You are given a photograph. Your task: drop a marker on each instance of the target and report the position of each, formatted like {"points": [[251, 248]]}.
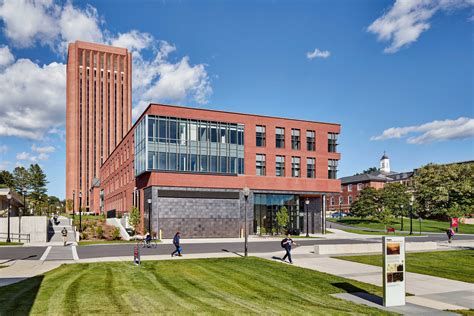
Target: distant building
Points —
{"points": [[15, 202]]}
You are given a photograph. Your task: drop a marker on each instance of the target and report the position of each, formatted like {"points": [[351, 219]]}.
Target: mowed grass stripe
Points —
{"points": [[183, 287]]}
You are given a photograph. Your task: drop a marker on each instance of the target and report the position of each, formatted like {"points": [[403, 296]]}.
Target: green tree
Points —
{"points": [[445, 190], [6, 179], [396, 199], [367, 203], [37, 184], [134, 218], [282, 218], [69, 205], [21, 180], [369, 170]]}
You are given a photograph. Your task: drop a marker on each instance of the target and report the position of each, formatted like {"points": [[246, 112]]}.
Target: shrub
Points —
{"points": [[116, 233], [99, 232], [263, 231], [84, 235]]}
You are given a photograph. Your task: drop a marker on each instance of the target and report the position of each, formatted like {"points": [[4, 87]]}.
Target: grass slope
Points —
{"points": [[4, 243], [205, 286], [455, 265], [427, 225]]}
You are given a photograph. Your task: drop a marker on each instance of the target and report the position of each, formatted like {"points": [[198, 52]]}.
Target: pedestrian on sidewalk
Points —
{"points": [[287, 243], [64, 233], [450, 233], [177, 244]]}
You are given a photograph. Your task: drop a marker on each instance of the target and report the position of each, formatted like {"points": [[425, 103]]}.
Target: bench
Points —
{"points": [[390, 230]]}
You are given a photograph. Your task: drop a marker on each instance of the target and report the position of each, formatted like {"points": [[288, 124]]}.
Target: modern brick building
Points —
{"points": [[185, 169], [98, 114]]}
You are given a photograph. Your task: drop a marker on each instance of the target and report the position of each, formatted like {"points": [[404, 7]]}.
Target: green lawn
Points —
{"points": [[427, 225], [184, 287], [371, 232], [456, 265], [3, 243]]}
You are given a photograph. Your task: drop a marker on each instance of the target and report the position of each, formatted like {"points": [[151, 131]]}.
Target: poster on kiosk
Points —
{"points": [[393, 271]]}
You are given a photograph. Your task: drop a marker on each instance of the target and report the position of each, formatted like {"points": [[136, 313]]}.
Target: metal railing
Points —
{"points": [[15, 237]]}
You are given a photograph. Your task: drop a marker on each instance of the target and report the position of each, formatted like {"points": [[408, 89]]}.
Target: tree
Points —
{"points": [[38, 181], [282, 217], [134, 217], [367, 203], [445, 190], [370, 170], [396, 199], [69, 205], [6, 179]]}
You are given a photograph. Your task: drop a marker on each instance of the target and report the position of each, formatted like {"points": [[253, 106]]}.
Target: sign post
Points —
{"points": [[136, 255], [393, 271]]}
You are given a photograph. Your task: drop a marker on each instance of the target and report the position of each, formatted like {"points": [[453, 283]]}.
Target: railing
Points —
{"points": [[15, 237]]}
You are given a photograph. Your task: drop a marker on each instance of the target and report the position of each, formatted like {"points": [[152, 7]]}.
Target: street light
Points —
{"points": [[306, 203], [149, 215], [9, 197], [401, 216], [73, 199], [412, 199], [80, 211], [246, 192]]}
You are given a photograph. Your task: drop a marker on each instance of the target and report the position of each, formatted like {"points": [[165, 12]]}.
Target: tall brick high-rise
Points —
{"points": [[98, 114]]}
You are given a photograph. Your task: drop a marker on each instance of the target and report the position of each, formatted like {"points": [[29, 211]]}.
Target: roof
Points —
{"points": [[384, 156], [377, 176]]}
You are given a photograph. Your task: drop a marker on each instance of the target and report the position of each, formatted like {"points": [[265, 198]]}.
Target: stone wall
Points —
{"points": [[36, 226]]}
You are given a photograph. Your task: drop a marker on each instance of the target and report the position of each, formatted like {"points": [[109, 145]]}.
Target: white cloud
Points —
{"points": [[43, 156], [43, 150], [25, 156], [4, 164], [460, 128], [3, 149], [134, 40], [6, 57], [318, 54], [407, 19]]}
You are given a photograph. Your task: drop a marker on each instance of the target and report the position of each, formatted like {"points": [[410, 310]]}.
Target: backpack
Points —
{"points": [[282, 243]]}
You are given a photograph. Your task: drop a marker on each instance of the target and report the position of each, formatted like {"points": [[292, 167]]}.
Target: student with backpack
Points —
{"points": [[176, 243], [450, 233], [287, 243]]}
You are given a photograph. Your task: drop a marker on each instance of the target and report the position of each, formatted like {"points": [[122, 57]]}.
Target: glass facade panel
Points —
{"points": [[170, 144], [266, 207]]}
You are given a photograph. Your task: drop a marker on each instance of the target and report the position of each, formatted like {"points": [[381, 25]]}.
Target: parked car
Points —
{"points": [[338, 215]]}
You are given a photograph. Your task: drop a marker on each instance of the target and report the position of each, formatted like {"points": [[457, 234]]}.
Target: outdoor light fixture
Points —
{"points": [[9, 197], [412, 199], [73, 205], [246, 192], [306, 204], [80, 211], [401, 221], [149, 215]]}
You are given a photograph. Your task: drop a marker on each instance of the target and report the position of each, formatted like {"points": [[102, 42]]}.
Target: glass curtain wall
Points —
{"points": [[175, 144], [266, 207]]}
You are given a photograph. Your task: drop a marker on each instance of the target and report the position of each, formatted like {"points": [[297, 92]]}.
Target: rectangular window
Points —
{"points": [[295, 166], [280, 137], [332, 142], [332, 200], [203, 164], [349, 200], [311, 167], [340, 200], [260, 165], [172, 163], [311, 140], [213, 164], [280, 166], [332, 169], [260, 136], [223, 165], [359, 186], [295, 139], [349, 188]]}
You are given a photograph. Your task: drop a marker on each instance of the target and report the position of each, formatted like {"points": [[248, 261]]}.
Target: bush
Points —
{"points": [[116, 233], [83, 235], [99, 232], [263, 231]]}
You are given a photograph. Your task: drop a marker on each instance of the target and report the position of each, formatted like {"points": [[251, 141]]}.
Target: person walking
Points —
{"points": [[450, 233], [287, 243], [64, 233], [177, 244]]}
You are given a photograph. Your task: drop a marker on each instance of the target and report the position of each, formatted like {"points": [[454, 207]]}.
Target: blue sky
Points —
{"points": [[397, 75]]}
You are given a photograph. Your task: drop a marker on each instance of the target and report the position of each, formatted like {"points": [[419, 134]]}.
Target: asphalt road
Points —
{"points": [[21, 253]]}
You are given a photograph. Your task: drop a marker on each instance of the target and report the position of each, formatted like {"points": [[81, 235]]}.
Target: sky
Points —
{"points": [[397, 75]]}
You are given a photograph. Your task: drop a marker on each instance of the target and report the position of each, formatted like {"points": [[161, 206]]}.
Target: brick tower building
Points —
{"points": [[98, 114]]}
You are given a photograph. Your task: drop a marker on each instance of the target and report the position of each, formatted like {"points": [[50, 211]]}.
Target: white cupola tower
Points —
{"points": [[384, 163]]}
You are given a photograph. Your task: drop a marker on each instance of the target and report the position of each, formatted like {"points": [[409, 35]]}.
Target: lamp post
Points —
{"points": [[306, 203], [73, 199], [80, 211], [149, 216], [340, 206], [412, 198], [401, 216], [246, 192], [9, 197]]}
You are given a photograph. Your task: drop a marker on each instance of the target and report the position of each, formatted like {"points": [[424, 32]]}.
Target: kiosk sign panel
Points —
{"points": [[393, 271]]}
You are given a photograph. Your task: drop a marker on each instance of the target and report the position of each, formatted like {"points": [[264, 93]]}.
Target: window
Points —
{"points": [[295, 166], [295, 139], [280, 137], [280, 166], [360, 186], [349, 188], [332, 142], [260, 165], [349, 200], [311, 140], [311, 167], [340, 200], [332, 200], [260, 141], [332, 169]]}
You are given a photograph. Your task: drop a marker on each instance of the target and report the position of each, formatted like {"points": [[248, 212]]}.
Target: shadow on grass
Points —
{"points": [[348, 287], [18, 298]]}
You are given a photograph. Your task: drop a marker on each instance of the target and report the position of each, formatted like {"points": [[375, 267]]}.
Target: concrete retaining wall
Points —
{"points": [[117, 223], [369, 248], [36, 226]]}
